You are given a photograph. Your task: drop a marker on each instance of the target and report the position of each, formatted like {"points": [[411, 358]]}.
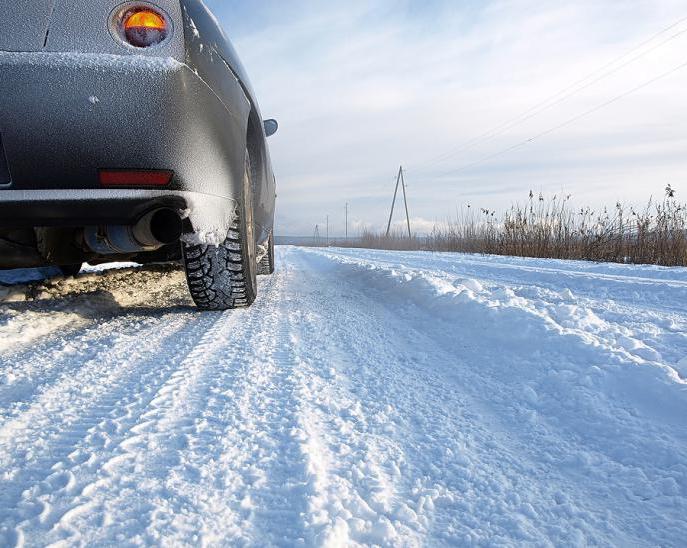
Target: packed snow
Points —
{"points": [[74, 59], [367, 398]]}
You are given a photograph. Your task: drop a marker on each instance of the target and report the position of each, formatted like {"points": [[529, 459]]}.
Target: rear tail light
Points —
{"points": [[135, 177], [143, 27]]}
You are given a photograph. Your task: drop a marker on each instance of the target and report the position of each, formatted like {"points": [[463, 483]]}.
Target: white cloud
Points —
{"points": [[361, 87]]}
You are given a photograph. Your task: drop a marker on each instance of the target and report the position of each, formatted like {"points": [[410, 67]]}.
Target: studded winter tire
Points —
{"points": [[223, 277]]}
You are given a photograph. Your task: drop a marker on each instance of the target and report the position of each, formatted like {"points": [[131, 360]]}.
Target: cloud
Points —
{"points": [[361, 87]]}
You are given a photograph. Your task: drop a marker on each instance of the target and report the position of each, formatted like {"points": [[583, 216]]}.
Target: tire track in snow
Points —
{"points": [[357, 494], [37, 369], [251, 468], [75, 419], [267, 405], [207, 464], [145, 442]]}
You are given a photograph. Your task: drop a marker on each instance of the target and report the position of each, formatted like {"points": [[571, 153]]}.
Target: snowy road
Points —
{"points": [[367, 397]]}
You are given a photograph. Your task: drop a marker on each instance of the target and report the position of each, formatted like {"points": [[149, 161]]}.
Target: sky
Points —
{"points": [[455, 91]]}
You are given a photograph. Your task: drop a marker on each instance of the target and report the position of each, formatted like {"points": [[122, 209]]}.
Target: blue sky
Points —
{"points": [[361, 87]]}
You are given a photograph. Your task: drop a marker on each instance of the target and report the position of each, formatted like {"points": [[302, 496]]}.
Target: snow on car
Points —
{"points": [[367, 397]]}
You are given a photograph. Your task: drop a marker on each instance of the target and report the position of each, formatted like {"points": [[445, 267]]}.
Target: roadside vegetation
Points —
{"points": [[553, 228]]}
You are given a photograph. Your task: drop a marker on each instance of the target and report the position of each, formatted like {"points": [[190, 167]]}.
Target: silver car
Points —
{"points": [[129, 131]]}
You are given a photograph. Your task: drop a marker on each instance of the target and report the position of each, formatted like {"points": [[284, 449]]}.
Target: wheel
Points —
{"points": [[266, 264], [70, 269], [223, 277]]}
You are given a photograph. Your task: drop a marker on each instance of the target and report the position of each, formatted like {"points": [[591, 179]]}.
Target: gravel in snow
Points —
{"points": [[366, 398]]}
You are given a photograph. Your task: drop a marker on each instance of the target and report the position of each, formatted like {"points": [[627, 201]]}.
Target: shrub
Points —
{"points": [[553, 228]]}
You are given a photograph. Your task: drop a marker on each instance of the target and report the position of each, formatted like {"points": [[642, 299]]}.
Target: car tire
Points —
{"points": [[266, 264], [223, 277]]}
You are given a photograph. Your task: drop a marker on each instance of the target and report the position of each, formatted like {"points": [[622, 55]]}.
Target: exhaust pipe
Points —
{"points": [[152, 231], [158, 228]]}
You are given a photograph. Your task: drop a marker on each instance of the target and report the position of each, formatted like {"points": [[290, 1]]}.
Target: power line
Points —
{"points": [[566, 123], [532, 113], [562, 95]]}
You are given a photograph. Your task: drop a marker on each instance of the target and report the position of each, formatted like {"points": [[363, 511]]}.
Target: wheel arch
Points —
{"points": [[255, 144], [263, 178]]}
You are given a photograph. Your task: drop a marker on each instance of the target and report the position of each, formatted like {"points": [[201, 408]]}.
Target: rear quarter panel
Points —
{"points": [[210, 52]]}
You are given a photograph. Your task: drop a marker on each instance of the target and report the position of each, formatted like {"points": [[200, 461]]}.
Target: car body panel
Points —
{"points": [[79, 26], [169, 119], [81, 101], [24, 24], [204, 52]]}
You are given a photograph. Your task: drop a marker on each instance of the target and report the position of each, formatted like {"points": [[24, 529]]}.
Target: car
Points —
{"points": [[130, 131]]}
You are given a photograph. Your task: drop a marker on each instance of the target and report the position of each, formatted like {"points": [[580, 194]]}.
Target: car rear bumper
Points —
{"points": [[64, 117], [207, 218], [29, 208]]}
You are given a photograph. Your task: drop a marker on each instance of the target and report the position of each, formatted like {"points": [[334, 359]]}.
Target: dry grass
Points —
{"points": [[553, 228], [397, 240]]}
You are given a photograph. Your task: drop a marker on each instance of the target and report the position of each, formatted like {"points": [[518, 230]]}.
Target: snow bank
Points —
{"points": [[583, 382]]}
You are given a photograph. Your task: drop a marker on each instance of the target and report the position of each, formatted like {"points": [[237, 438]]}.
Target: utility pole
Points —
{"points": [[393, 203], [316, 235], [327, 230], [405, 201], [399, 180], [346, 222]]}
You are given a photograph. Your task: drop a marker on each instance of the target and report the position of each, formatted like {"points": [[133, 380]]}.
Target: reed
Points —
{"points": [[554, 228]]}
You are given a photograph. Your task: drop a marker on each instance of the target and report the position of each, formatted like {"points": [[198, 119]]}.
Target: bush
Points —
{"points": [[552, 228]]}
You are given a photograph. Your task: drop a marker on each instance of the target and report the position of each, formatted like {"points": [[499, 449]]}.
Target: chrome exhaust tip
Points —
{"points": [[158, 228], [154, 230]]}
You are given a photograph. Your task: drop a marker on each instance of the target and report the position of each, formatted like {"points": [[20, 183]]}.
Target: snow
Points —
{"points": [[193, 27], [123, 63], [367, 398], [681, 367], [209, 218]]}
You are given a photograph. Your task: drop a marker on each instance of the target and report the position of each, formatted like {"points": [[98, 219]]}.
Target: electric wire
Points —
{"points": [[562, 95], [566, 123]]}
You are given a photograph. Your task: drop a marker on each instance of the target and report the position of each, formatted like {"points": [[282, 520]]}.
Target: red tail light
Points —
{"points": [[135, 177]]}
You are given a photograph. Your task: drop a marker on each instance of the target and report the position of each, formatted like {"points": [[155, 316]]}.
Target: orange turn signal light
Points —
{"points": [[145, 19], [144, 27]]}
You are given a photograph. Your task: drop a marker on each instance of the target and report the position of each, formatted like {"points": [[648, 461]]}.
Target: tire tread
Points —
{"points": [[215, 274]]}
